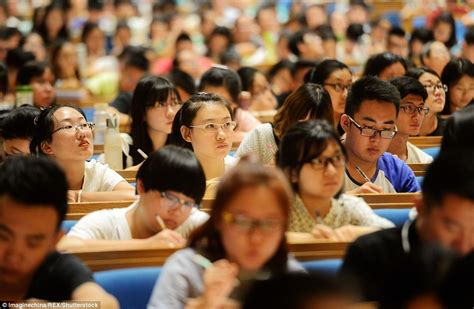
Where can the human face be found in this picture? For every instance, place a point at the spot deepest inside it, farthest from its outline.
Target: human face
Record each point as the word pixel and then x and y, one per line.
pixel 54 22
pixel 16 146
pixel 313 47
pixel 152 204
pixel 338 98
pixel 438 58
pixel 394 70
pixel 159 118
pixel 436 97
pixel 450 224
pixel 210 145
pixel 442 32
pixel 282 81
pixel 326 182
pixel 410 123
pixel 27 235
pixel 95 42
pixel 461 93
pixel 372 114
pixel 43 90
pixel 398 45
pixel 67 61
pixel 252 248
pixel 75 144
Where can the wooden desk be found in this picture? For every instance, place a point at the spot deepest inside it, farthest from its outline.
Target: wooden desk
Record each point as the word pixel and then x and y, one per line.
pixel 425 141
pixel 78 210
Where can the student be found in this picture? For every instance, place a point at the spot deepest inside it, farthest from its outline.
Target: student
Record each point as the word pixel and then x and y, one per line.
pixel 39 76
pixel 241 241
pixel 369 122
pixel 458 75
pixel 256 83
pixel 445 217
pixel 161 193
pixel 204 125
pixel 155 102
pixel 397 42
pixel 459 131
pixel 33 203
pixel 336 78
pixel 309 101
pixel 306 45
pixel 17 130
pixel 313 159
pixel 385 66
pixel 435 55
pixel 65 65
pixel 409 120
pixel 432 124
pixel 227 84
pixel 63 133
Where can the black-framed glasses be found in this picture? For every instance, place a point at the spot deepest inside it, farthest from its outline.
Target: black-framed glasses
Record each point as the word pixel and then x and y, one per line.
pixel 338 87
pixel 432 88
pixel 214 127
pixel 321 163
pixel 246 224
pixel 172 202
pixel 371 132
pixel 411 109
pixel 73 128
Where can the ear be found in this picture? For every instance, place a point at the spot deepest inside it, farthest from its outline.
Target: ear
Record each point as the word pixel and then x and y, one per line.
pixel 186 133
pixel 46 148
pixel 345 122
pixel 140 188
pixel 420 205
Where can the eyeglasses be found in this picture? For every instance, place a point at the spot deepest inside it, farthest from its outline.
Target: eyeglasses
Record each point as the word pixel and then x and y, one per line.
pixel 173 104
pixel 214 127
pixel 433 88
pixel 371 132
pixel 88 126
pixel 246 225
pixel 411 109
pixel 171 202
pixel 321 163
pixel 339 87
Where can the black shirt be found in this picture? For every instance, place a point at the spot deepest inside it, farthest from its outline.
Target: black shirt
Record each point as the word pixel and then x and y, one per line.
pixel 57 278
pixel 370 259
pixel 123 102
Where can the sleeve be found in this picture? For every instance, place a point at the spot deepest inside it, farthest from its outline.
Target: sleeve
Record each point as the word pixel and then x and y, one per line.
pixel 408 181
pixel 363 215
pixel 110 179
pixel 96 225
pixel 174 285
pixel 58 277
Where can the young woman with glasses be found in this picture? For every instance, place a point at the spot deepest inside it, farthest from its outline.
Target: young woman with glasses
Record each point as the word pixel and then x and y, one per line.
pixel 63 133
pixel 165 213
pixel 314 160
pixel 243 240
pixel 204 124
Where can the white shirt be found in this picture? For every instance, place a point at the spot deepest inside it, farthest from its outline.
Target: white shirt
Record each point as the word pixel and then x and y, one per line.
pixel 99 177
pixel 416 155
pixel 259 142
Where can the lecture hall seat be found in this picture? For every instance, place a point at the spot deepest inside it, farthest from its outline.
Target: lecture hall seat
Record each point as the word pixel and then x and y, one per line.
pixel 397 216
pixel 329 267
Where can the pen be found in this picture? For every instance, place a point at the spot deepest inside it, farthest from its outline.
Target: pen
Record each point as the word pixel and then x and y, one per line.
pixel 142 153
pixel 361 172
pixel 160 222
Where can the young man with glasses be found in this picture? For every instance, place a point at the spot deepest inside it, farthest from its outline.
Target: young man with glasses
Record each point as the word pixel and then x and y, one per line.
pixel 170 185
pixel 369 122
pixel 411 115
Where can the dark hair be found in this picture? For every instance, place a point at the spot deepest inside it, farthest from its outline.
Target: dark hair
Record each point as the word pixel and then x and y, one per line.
pixel 408 85
pixel 150 89
pixel 280 65
pixel 19 123
pixel 183 36
pixel 446 17
pixel 292 291
pixel 295 39
pixel 247 77
pixel 379 62
pixel 3 78
pixel 158 172
pixel 459 131
pixel 36 182
pixel 303 142
pixel 44 126
pixel 135 56
pixel 17 57
pixel 371 88
pixel 301 64
pixel 451 173
pixel 219 77
pixel 87 29
pixel 58 45
pixel 397 31
pixel 307 101
pixel 452 73
pixel 417 72
pixel 321 72
pixel 182 80
pixel 456 288
pixel 421 34
pixel 245 174
pixel 43 32
pixel 30 70
pixel 354 32
pixel 221 31
pixel 326 33
pixel 188 112
pixel 469 36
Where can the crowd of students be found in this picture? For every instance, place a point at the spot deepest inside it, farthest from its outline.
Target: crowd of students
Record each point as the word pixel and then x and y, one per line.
pixel 345 95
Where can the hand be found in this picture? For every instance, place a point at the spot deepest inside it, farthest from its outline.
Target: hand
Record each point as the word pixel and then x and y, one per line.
pixel 219 281
pixel 367 187
pixel 168 238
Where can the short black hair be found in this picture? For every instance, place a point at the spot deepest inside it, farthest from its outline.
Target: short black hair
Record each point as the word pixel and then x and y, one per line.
pixel 371 88
pixel 321 72
pixel 408 85
pixel 135 56
pixel 302 64
pixel 379 62
pixel 182 80
pixel 396 31
pixel 247 77
pixel 17 57
pixel 280 65
pixel 3 78
pixel 297 38
pixel 354 32
pixel 173 168
pixel 451 173
pixel 469 36
pixel 19 123
pixel 459 131
pixel 31 70
pixel 220 77
pixel 35 181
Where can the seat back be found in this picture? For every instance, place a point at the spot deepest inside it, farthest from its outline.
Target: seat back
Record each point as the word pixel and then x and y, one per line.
pixel 397 216
pixel 329 267
pixel 131 286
